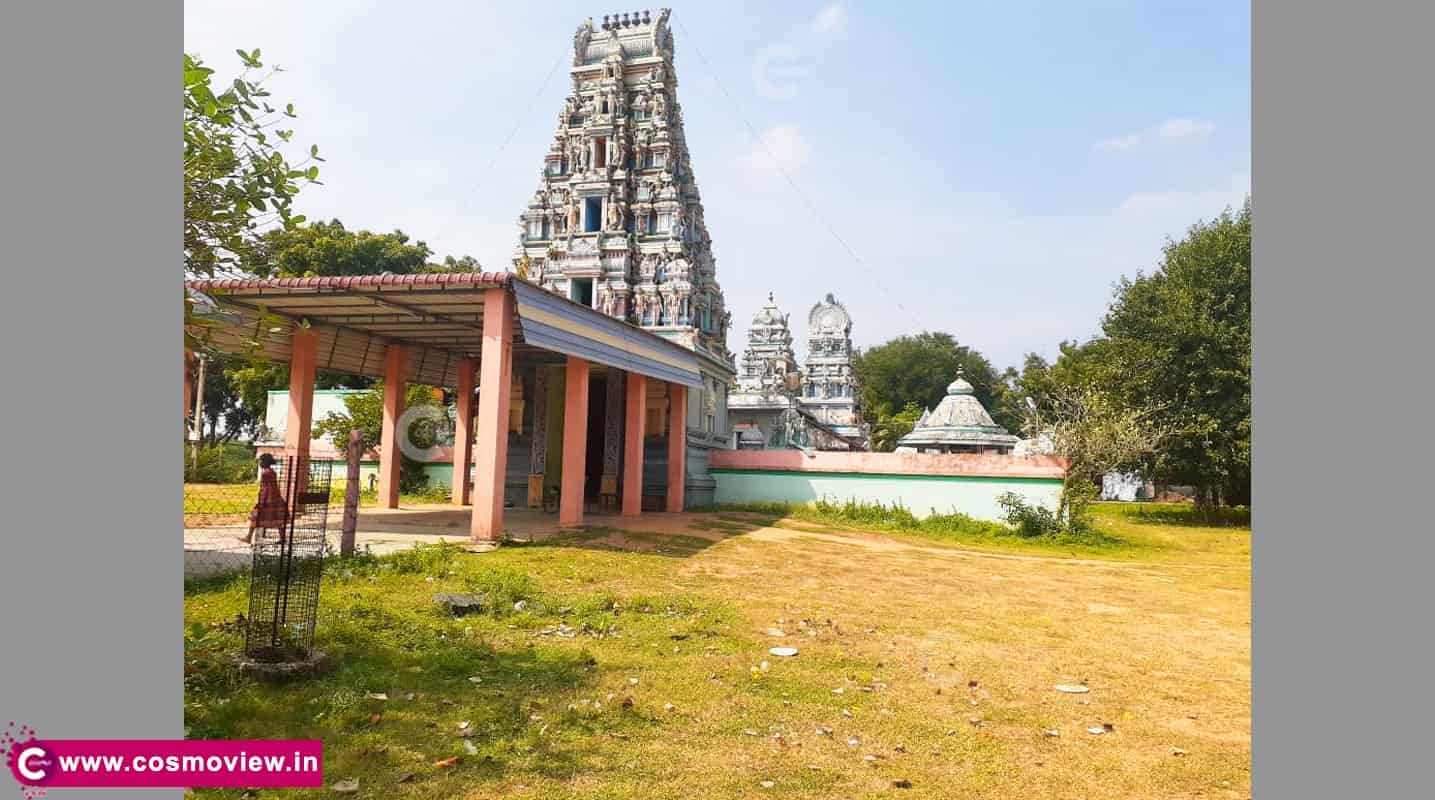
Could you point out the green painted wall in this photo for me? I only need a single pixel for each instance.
(920, 494)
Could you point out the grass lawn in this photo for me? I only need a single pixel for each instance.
(635, 666)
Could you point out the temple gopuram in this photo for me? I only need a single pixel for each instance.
(776, 406)
(617, 222)
(829, 386)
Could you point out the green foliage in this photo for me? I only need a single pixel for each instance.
(236, 178)
(1180, 340)
(434, 559)
(1029, 520)
(230, 462)
(891, 427)
(502, 587)
(364, 411)
(328, 248)
(916, 370)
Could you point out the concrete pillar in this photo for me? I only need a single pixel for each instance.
(390, 459)
(637, 415)
(677, 444)
(495, 393)
(299, 428)
(575, 443)
(463, 434)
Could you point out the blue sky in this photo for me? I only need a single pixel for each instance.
(988, 169)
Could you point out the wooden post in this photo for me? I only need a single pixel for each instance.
(351, 496)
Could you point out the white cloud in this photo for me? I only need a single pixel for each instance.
(1171, 130)
(775, 70)
(778, 150)
(831, 19)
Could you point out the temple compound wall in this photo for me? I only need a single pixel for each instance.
(920, 482)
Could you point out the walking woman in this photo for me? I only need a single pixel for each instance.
(270, 511)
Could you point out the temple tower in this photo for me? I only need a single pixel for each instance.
(617, 222)
(829, 390)
(617, 225)
(769, 366)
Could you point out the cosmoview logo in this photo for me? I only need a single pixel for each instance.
(30, 760)
(35, 763)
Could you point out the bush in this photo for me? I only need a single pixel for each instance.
(231, 462)
(1029, 520)
(433, 559)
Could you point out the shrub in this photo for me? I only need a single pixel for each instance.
(432, 559)
(231, 462)
(501, 587)
(1029, 520)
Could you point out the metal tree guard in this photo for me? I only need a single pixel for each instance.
(288, 565)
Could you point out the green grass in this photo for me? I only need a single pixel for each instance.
(950, 529)
(239, 498)
(904, 632)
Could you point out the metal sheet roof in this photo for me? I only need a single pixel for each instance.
(439, 316)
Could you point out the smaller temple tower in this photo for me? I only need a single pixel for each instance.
(829, 390)
(766, 411)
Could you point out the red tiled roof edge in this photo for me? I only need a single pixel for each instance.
(433, 279)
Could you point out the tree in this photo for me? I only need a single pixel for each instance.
(1180, 340)
(917, 369)
(328, 248)
(365, 412)
(236, 179)
(890, 428)
(1095, 434)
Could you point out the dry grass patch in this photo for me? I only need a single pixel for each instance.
(939, 662)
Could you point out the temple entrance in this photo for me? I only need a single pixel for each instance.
(597, 413)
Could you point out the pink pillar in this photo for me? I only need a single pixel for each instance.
(575, 443)
(303, 361)
(677, 444)
(633, 444)
(494, 393)
(463, 434)
(395, 361)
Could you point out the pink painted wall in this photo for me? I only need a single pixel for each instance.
(968, 464)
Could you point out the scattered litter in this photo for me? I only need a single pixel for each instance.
(475, 679)
(405, 778)
(1096, 731)
(1071, 688)
(1108, 726)
(346, 786)
(520, 605)
(767, 784)
(1176, 751)
(854, 741)
(463, 726)
(846, 712)
(445, 763)
(749, 732)
(838, 690)
(633, 681)
(1052, 732)
(976, 722)
(900, 748)
(668, 706)
(901, 783)
(409, 696)
(823, 732)
(377, 696)
(775, 632)
(469, 747)
(783, 651)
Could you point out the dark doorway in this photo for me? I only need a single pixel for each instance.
(582, 291)
(597, 414)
